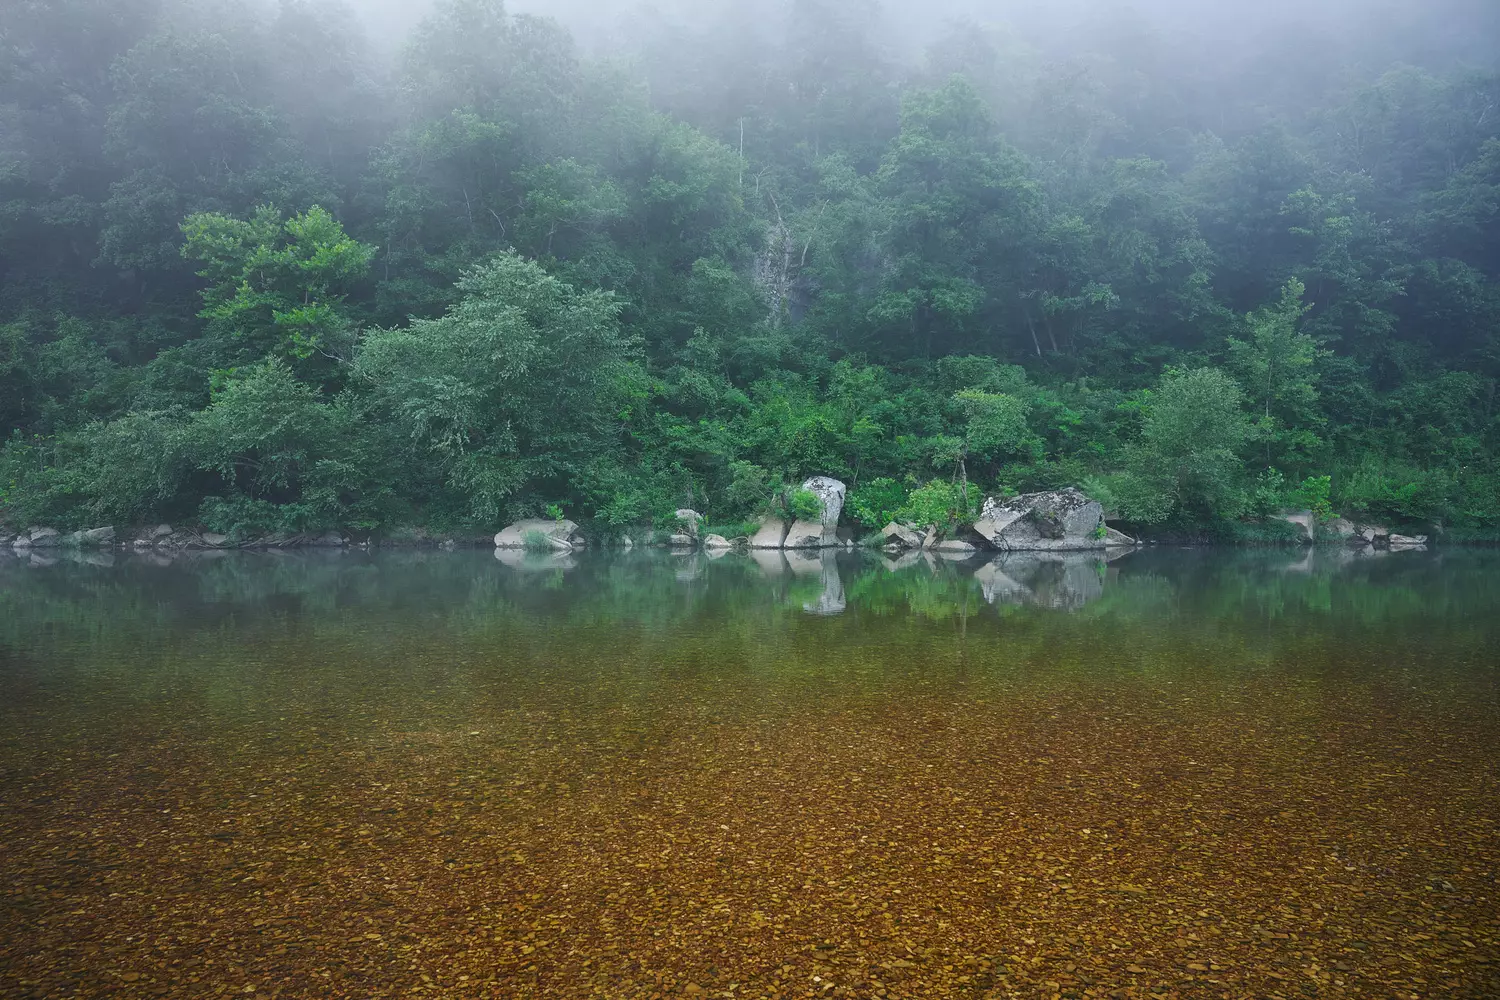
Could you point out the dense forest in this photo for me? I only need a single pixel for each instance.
(265, 268)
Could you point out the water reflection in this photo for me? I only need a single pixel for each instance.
(659, 586)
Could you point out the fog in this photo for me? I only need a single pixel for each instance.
(1413, 30)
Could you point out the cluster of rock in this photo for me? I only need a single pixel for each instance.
(51, 538)
(162, 536)
(1051, 521)
(1350, 532)
(1060, 520)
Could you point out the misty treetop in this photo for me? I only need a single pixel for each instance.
(266, 270)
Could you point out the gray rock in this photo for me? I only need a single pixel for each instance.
(514, 537)
(100, 536)
(1372, 534)
(159, 532)
(1058, 520)
(1304, 521)
(1340, 528)
(899, 537)
(681, 541)
(716, 542)
(772, 534)
(213, 540)
(331, 540)
(91, 539)
(688, 521)
(44, 538)
(955, 547)
(1407, 540)
(1118, 539)
(810, 535)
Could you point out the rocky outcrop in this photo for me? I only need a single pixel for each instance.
(955, 548)
(771, 535)
(1058, 520)
(898, 538)
(1118, 539)
(558, 535)
(716, 543)
(682, 541)
(822, 534)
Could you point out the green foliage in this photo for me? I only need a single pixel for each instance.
(804, 504)
(1186, 464)
(876, 503)
(277, 285)
(1313, 495)
(516, 390)
(944, 504)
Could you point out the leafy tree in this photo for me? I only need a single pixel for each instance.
(1186, 464)
(1279, 366)
(516, 393)
(277, 286)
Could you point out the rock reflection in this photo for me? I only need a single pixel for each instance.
(535, 562)
(1045, 579)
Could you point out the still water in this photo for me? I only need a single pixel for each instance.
(1195, 773)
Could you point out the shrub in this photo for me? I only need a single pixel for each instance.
(804, 504)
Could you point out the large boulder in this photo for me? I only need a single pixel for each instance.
(771, 535)
(43, 538)
(821, 534)
(1058, 520)
(832, 493)
(558, 535)
(1114, 539)
(688, 521)
(97, 537)
(717, 543)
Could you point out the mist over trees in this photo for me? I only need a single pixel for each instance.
(303, 265)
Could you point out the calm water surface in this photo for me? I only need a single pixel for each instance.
(1177, 774)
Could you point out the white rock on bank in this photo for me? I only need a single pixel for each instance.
(554, 532)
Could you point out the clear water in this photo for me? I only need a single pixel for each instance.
(1192, 773)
